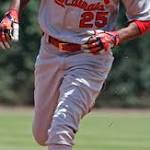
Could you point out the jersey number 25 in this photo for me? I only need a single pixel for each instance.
(100, 19)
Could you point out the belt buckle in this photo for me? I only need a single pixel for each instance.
(61, 46)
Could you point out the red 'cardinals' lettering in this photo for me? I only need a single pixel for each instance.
(82, 4)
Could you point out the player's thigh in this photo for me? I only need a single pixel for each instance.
(89, 70)
(85, 75)
(47, 82)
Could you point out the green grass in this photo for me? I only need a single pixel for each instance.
(98, 131)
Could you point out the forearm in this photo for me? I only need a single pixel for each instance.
(15, 4)
(18, 5)
(23, 4)
(130, 32)
(9, 26)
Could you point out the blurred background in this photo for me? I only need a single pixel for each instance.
(110, 127)
(128, 84)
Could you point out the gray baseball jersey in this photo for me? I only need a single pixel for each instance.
(71, 20)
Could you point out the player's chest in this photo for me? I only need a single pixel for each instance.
(84, 5)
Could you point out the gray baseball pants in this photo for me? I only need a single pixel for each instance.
(66, 86)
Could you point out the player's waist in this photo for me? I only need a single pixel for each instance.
(63, 46)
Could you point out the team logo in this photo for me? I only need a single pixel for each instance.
(83, 4)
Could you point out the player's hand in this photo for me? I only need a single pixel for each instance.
(102, 41)
(9, 29)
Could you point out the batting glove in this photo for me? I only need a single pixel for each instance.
(9, 29)
(102, 41)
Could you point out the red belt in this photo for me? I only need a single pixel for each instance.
(64, 46)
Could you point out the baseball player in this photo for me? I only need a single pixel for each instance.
(74, 60)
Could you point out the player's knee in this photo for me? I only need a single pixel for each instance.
(39, 137)
(61, 134)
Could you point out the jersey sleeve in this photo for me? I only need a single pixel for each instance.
(137, 9)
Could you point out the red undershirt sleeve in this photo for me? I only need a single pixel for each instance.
(144, 26)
